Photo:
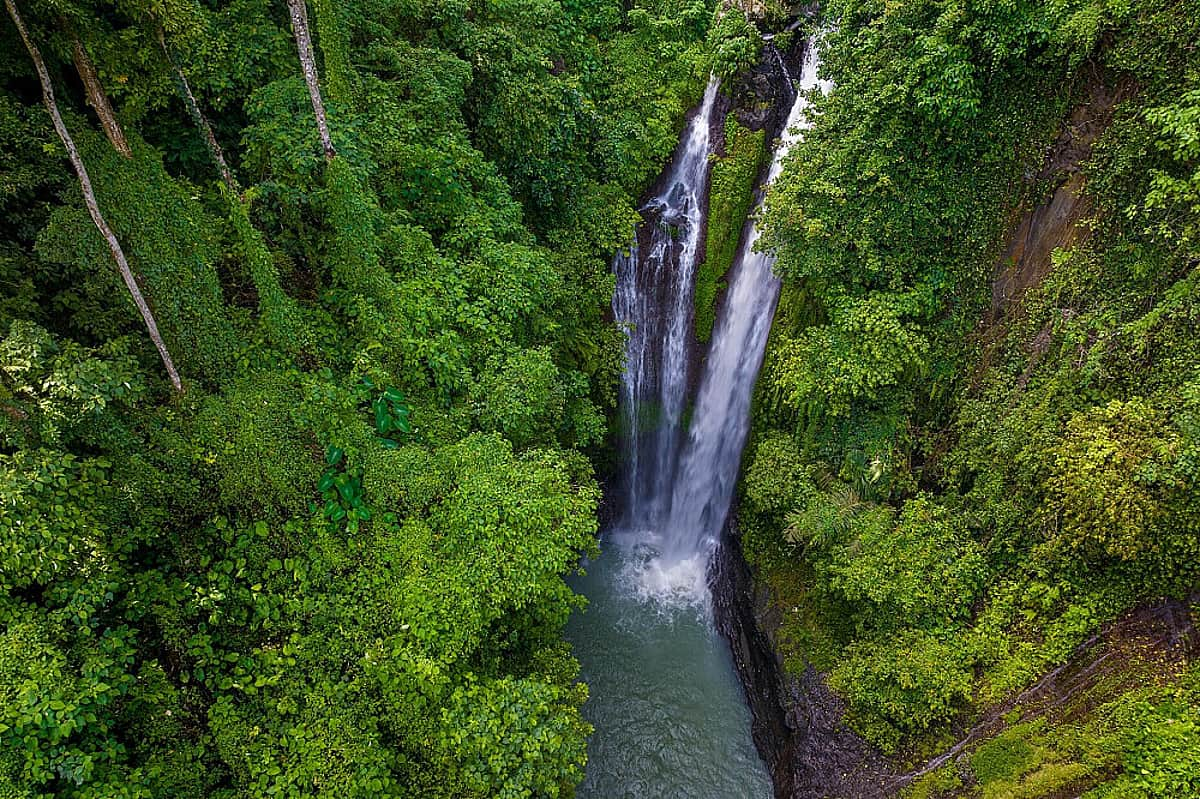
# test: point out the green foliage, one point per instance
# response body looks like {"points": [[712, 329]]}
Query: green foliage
{"points": [[521, 397], [990, 474], [280, 313], [1172, 187], [734, 43], [1108, 478], [730, 199], [777, 479], [497, 732], [1165, 759], [342, 490], [55, 391], [866, 351], [276, 583], [247, 440], [59, 689], [834, 518], [171, 243], [654, 71], [904, 684], [334, 38], [65, 666], [922, 568], [391, 415], [547, 73], [30, 172], [354, 249]]}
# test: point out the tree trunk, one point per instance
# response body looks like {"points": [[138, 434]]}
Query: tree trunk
{"points": [[97, 98], [299, 13], [89, 196], [206, 131]]}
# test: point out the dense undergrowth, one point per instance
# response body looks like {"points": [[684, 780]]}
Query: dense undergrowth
{"points": [[331, 565], [948, 494]]}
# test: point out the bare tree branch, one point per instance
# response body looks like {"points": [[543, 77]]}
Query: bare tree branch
{"points": [[97, 98], [189, 99], [299, 14], [89, 195]]}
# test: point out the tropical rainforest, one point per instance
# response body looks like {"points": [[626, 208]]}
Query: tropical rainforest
{"points": [[303, 353], [307, 376], [977, 434]]}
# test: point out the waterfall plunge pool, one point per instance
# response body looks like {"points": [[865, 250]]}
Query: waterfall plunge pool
{"points": [[670, 715]]}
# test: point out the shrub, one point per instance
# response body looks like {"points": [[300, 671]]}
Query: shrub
{"points": [[733, 42], [777, 479], [906, 683], [921, 569], [1108, 478], [1165, 759]]}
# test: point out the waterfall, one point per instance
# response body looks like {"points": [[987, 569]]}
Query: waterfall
{"points": [[669, 714], [655, 282], [708, 467], [677, 491]]}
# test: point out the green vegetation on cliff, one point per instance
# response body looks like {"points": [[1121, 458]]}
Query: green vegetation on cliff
{"points": [[976, 432], [730, 200]]}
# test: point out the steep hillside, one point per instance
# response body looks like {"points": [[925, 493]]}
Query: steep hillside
{"points": [[977, 431], [304, 336]]}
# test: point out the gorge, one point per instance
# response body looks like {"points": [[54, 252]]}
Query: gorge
{"points": [[670, 717], [540, 399]]}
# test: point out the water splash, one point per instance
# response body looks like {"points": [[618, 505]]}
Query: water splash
{"points": [[665, 589]]}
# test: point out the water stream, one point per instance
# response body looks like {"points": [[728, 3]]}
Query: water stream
{"points": [[670, 716], [708, 468], [655, 281]]}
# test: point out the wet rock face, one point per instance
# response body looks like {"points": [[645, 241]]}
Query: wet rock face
{"points": [[797, 722], [735, 610], [763, 95], [757, 96]]}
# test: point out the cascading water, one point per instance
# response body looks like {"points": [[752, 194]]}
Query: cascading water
{"points": [[669, 713], [655, 281], [708, 468]]}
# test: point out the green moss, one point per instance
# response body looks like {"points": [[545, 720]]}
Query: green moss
{"points": [[808, 633], [730, 200], [1007, 756], [1047, 779], [281, 316], [935, 784]]}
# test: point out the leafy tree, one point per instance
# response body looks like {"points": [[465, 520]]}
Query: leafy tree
{"points": [[334, 566]]}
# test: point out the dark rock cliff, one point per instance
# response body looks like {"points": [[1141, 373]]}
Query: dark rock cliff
{"points": [[797, 721]]}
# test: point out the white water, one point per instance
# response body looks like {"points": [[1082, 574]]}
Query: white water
{"points": [[708, 467], [654, 298]]}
